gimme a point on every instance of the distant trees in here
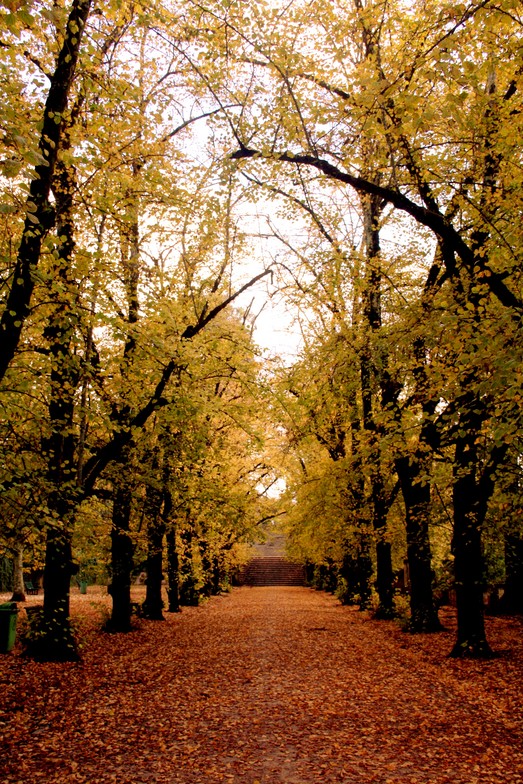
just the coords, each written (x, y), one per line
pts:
(419, 113)
(104, 311)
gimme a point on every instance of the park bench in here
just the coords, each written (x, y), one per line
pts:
(31, 589)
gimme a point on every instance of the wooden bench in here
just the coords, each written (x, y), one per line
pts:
(31, 589)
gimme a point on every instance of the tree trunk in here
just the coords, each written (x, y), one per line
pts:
(364, 570)
(361, 552)
(384, 571)
(19, 297)
(466, 545)
(121, 560)
(512, 599)
(173, 573)
(356, 570)
(372, 368)
(18, 576)
(189, 594)
(153, 604)
(208, 568)
(57, 642)
(416, 495)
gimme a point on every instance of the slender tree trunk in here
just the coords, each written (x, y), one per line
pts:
(40, 214)
(153, 604)
(121, 559)
(371, 385)
(173, 570)
(512, 599)
(362, 558)
(122, 549)
(189, 594)
(416, 495)
(384, 572)
(18, 576)
(207, 565)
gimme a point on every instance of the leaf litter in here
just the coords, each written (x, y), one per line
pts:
(265, 686)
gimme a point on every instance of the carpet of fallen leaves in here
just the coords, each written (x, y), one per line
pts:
(264, 686)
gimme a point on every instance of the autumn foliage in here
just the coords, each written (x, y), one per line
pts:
(168, 169)
(267, 685)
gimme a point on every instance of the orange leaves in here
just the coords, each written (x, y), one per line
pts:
(266, 686)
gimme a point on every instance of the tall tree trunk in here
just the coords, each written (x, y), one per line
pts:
(512, 599)
(207, 565)
(371, 383)
(189, 594)
(416, 495)
(40, 215)
(56, 641)
(122, 549)
(384, 571)
(153, 604)
(469, 574)
(469, 510)
(173, 570)
(18, 576)
(121, 559)
(362, 559)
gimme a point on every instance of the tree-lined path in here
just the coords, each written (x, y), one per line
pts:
(268, 685)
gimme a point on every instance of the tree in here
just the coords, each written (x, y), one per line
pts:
(40, 218)
(311, 113)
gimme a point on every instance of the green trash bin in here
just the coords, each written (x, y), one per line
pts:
(8, 613)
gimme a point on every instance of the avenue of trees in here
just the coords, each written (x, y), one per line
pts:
(382, 142)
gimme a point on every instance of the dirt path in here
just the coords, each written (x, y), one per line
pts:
(267, 686)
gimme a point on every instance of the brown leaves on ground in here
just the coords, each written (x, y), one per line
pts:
(267, 685)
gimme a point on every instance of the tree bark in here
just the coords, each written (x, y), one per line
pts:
(57, 639)
(189, 594)
(57, 642)
(173, 570)
(153, 604)
(512, 599)
(371, 381)
(40, 213)
(18, 576)
(416, 495)
(121, 559)
(362, 559)
(469, 514)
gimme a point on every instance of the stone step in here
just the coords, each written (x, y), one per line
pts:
(272, 571)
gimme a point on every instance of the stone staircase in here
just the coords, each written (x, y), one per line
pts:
(271, 570)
